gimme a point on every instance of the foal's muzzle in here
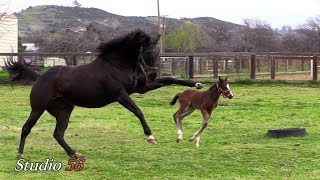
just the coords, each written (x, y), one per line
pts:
(230, 96)
(227, 94)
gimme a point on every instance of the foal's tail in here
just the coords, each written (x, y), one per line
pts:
(19, 71)
(174, 100)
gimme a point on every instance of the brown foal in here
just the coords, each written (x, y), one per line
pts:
(205, 101)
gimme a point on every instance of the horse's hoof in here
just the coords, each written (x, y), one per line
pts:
(76, 156)
(21, 156)
(192, 139)
(152, 141)
(179, 140)
(199, 85)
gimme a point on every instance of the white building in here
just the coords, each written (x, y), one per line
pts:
(8, 35)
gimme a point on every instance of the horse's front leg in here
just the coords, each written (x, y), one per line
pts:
(149, 87)
(169, 80)
(128, 103)
(158, 83)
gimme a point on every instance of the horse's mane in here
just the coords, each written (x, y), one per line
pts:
(129, 41)
(214, 86)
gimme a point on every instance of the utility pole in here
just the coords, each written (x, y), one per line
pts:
(160, 27)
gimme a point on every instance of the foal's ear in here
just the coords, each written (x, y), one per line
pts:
(220, 80)
(226, 79)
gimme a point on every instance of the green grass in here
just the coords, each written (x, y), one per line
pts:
(233, 146)
(4, 77)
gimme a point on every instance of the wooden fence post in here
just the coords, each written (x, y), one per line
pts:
(315, 68)
(74, 60)
(159, 66)
(273, 68)
(20, 58)
(200, 64)
(253, 67)
(173, 67)
(215, 67)
(237, 59)
(190, 67)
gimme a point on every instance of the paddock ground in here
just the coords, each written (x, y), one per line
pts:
(233, 146)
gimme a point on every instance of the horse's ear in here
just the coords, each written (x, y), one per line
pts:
(220, 80)
(156, 39)
(226, 78)
(140, 37)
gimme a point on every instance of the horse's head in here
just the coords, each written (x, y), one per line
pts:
(135, 47)
(224, 88)
(148, 53)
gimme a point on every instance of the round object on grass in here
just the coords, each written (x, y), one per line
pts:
(286, 132)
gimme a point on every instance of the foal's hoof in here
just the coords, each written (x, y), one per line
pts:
(21, 156)
(199, 85)
(192, 139)
(76, 156)
(179, 140)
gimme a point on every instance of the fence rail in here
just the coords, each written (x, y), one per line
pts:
(237, 65)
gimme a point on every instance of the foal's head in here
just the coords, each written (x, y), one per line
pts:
(224, 88)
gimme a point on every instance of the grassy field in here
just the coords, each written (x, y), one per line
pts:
(233, 146)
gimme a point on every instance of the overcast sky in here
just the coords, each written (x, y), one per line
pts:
(276, 12)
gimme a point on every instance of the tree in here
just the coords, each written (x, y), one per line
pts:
(312, 31)
(218, 37)
(257, 36)
(21, 48)
(76, 3)
(306, 38)
(187, 37)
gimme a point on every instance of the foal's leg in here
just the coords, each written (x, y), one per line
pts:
(62, 111)
(205, 115)
(184, 110)
(26, 129)
(128, 103)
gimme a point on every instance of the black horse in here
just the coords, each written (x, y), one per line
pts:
(124, 66)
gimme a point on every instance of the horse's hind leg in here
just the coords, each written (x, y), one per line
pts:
(61, 110)
(184, 110)
(26, 129)
(197, 135)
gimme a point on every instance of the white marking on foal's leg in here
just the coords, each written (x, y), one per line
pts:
(180, 134)
(193, 137)
(197, 141)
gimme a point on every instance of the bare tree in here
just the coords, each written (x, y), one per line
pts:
(76, 3)
(312, 31)
(218, 38)
(257, 36)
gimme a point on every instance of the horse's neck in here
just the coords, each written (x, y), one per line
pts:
(214, 92)
(116, 61)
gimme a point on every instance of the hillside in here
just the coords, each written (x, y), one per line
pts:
(59, 18)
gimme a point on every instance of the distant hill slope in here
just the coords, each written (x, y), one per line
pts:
(59, 18)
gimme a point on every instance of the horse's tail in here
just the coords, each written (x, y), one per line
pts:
(19, 71)
(175, 98)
